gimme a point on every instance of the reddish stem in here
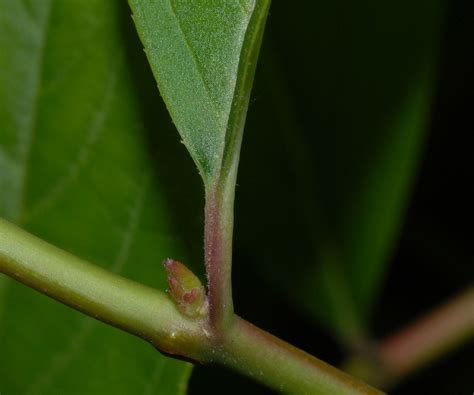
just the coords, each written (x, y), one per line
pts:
(218, 257)
(429, 337)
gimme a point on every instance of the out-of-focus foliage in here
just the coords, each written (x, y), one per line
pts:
(342, 105)
(81, 166)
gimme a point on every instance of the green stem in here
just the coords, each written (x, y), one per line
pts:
(281, 366)
(151, 315)
(220, 192)
(101, 294)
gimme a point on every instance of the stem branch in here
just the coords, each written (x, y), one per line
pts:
(419, 344)
(218, 256)
(101, 294)
(429, 337)
(151, 315)
(283, 367)
(220, 191)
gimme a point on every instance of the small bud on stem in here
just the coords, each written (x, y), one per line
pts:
(185, 289)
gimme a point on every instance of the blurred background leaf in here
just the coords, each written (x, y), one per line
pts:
(346, 107)
(88, 164)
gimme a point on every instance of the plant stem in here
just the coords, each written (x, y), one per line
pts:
(101, 294)
(219, 219)
(281, 366)
(416, 346)
(429, 337)
(151, 315)
(220, 192)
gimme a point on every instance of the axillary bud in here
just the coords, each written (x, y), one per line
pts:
(185, 289)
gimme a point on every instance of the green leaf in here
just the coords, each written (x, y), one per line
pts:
(340, 121)
(203, 55)
(80, 168)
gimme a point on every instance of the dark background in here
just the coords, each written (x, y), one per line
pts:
(433, 258)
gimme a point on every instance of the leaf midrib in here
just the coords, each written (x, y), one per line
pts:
(25, 144)
(63, 357)
(28, 135)
(192, 52)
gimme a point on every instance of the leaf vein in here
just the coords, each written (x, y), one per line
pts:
(27, 135)
(65, 356)
(156, 376)
(243, 7)
(194, 58)
(93, 134)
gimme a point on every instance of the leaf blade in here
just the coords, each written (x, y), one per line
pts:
(195, 51)
(84, 179)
